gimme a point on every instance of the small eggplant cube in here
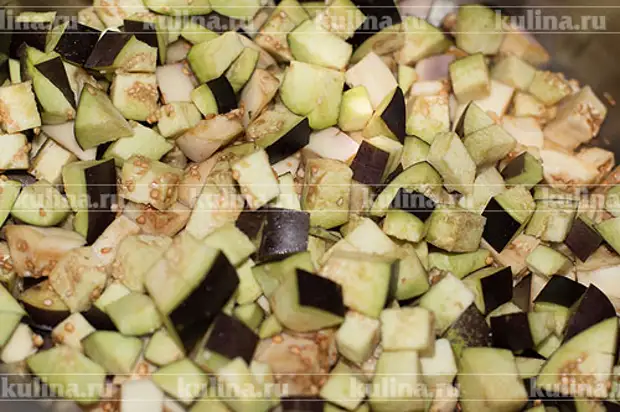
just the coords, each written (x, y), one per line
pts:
(407, 329)
(357, 337)
(415, 203)
(561, 291)
(369, 164)
(355, 109)
(449, 156)
(500, 228)
(455, 230)
(231, 338)
(135, 95)
(549, 87)
(489, 145)
(470, 78)
(326, 192)
(512, 332)
(427, 116)
(150, 182)
(514, 72)
(256, 178)
(285, 233)
(19, 108)
(14, 155)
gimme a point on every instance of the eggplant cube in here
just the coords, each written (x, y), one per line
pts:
(501, 227)
(209, 60)
(369, 164)
(19, 108)
(492, 286)
(422, 40)
(258, 183)
(427, 116)
(135, 95)
(14, 154)
(439, 365)
(326, 192)
(455, 230)
(545, 261)
(402, 370)
(398, 326)
(341, 17)
(512, 332)
(343, 388)
(478, 29)
(447, 300)
(178, 117)
(514, 72)
(150, 182)
(357, 337)
(489, 145)
(355, 110)
(49, 162)
(285, 233)
(231, 338)
(72, 330)
(449, 156)
(583, 240)
(549, 87)
(470, 78)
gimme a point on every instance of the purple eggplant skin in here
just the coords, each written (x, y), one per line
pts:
(251, 222)
(285, 233)
(54, 71)
(515, 167)
(369, 164)
(561, 291)
(101, 192)
(500, 227)
(106, 49)
(583, 240)
(395, 115)
(471, 328)
(522, 293)
(77, 43)
(413, 202)
(232, 338)
(497, 289)
(380, 14)
(192, 318)
(290, 143)
(99, 319)
(319, 293)
(224, 94)
(144, 31)
(511, 332)
(594, 307)
(302, 404)
(34, 35)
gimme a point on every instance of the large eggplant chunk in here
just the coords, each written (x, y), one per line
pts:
(594, 307)
(77, 43)
(285, 233)
(561, 291)
(54, 71)
(231, 338)
(511, 332)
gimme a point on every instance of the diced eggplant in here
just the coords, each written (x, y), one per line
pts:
(137, 177)
(117, 50)
(582, 239)
(472, 119)
(49, 162)
(209, 60)
(209, 135)
(427, 116)
(380, 35)
(311, 43)
(524, 169)
(493, 287)
(154, 33)
(562, 291)
(372, 73)
(223, 93)
(593, 307)
(449, 156)
(307, 302)
(415, 203)
(478, 29)
(33, 35)
(40, 204)
(489, 145)
(54, 71)
(355, 110)
(552, 219)
(455, 230)
(44, 305)
(285, 233)
(230, 338)
(469, 330)
(422, 40)
(501, 228)
(549, 87)
(20, 108)
(389, 118)
(240, 72)
(514, 72)
(470, 78)
(369, 164)
(511, 332)
(135, 95)
(77, 42)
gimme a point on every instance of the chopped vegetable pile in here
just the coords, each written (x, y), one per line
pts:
(294, 209)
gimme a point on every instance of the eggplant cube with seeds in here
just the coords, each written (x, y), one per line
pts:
(49, 162)
(122, 51)
(549, 87)
(223, 94)
(407, 329)
(177, 117)
(204, 139)
(326, 192)
(209, 60)
(72, 330)
(285, 233)
(449, 156)
(357, 337)
(14, 155)
(427, 116)
(150, 182)
(135, 95)
(19, 108)
(257, 180)
(455, 229)
(470, 78)
(489, 145)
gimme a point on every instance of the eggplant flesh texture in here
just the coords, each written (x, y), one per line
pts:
(594, 307)
(290, 143)
(515, 167)
(582, 240)
(77, 43)
(302, 404)
(522, 293)
(415, 203)
(320, 293)
(107, 48)
(561, 291)
(511, 332)
(224, 94)
(101, 192)
(251, 222)
(500, 227)
(54, 71)
(32, 34)
(193, 317)
(497, 289)
(395, 115)
(369, 164)
(231, 338)
(285, 233)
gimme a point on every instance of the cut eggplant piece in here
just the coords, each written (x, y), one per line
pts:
(190, 293)
(225, 49)
(285, 233)
(427, 116)
(40, 204)
(97, 120)
(146, 142)
(561, 291)
(493, 287)
(380, 37)
(64, 135)
(134, 315)
(372, 73)
(355, 110)
(223, 94)
(311, 43)
(93, 182)
(514, 72)
(545, 261)
(122, 51)
(549, 87)
(357, 337)
(552, 219)
(49, 162)
(524, 170)
(501, 228)
(153, 32)
(14, 155)
(593, 307)
(449, 156)
(209, 135)
(422, 40)
(470, 78)
(72, 330)
(43, 305)
(454, 296)
(56, 94)
(20, 108)
(256, 95)
(512, 332)
(582, 239)
(389, 118)
(230, 338)
(489, 145)
(306, 302)
(135, 95)
(256, 179)
(369, 164)
(478, 30)
(415, 203)
(292, 136)
(590, 356)
(395, 321)
(472, 119)
(139, 173)
(469, 330)
(455, 230)
(240, 72)
(77, 42)
(176, 83)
